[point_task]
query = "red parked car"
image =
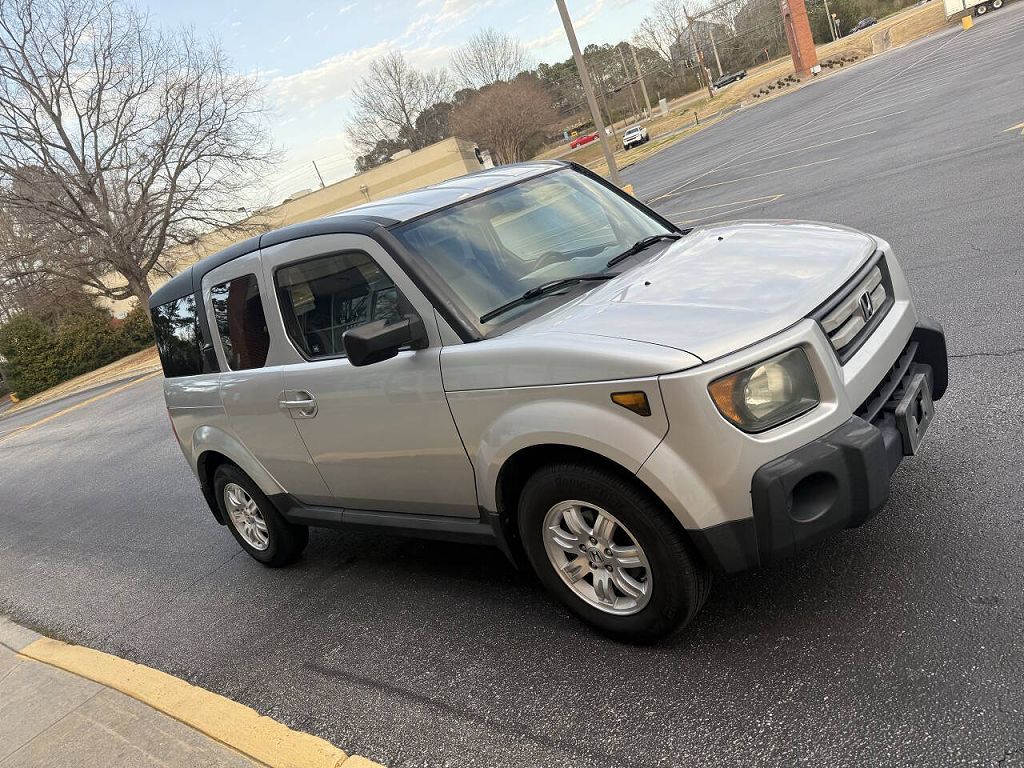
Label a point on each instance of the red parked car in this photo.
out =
(579, 141)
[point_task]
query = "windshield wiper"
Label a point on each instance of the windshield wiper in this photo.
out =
(642, 245)
(543, 290)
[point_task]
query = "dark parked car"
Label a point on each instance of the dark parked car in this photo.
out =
(870, 21)
(724, 80)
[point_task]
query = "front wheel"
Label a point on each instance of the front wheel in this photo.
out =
(610, 552)
(253, 520)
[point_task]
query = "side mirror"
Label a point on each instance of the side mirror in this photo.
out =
(381, 340)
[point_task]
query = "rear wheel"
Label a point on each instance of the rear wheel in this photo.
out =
(253, 520)
(997, 4)
(981, 10)
(610, 552)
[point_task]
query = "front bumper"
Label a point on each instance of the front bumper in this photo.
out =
(838, 481)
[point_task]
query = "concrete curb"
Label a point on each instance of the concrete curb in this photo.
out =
(223, 720)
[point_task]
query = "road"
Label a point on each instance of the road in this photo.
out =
(899, 643)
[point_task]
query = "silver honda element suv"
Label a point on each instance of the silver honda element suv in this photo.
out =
(529, 357)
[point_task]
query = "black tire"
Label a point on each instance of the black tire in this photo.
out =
(287, 540)
(981, 10)
(997, 4)
(680, 581)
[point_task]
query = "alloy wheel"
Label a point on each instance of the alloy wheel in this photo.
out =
(246, 517)
(597, 557)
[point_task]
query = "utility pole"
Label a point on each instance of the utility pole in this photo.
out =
(831, 22)
(718, 61)
(318, 175)
(698, 53)
(608, 113)
(588, 89)
(640, 75)
(632, 90)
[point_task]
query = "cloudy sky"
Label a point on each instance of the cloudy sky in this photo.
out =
(310, 52)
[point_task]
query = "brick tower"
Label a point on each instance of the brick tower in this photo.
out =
(798, 33)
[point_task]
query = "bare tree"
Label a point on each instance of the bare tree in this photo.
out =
(119, 140)
(662, 29)
(489, 57)
(507, 118)
(388, 101)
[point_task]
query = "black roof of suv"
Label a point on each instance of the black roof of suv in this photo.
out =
(363, 219)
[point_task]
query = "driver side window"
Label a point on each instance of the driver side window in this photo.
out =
(323, 297)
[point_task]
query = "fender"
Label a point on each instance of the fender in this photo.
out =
(495, 424)
(207, 438)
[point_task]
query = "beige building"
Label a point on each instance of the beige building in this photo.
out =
(438, 162)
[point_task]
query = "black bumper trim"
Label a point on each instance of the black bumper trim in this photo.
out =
(931, 350)
(838, 481)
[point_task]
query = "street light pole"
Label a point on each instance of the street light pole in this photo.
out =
(588, 90)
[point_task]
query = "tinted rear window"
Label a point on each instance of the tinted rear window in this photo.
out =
(177, 337)
(241, 323)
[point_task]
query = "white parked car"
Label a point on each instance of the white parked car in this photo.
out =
(634, 137)
(531, 358)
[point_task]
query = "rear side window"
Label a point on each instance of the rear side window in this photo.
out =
(326, 296)
(241, 323)
(177, 337)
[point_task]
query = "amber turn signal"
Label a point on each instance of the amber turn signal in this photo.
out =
(634, 401)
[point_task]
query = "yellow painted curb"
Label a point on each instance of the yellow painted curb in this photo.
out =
(232, 724)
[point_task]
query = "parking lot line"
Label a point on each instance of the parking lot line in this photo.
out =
(802, 149)
(753, 176)
(720, 209)
(859, 122)
(45, 420)
(874, 88)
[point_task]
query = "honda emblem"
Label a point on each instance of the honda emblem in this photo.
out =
(867, 307)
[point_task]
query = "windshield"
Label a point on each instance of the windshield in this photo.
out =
(492, 249)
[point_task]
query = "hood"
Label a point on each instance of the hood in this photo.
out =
(718, 289)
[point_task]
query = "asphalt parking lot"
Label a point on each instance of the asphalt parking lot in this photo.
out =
(899, 643)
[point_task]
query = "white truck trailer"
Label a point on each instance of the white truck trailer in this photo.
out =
(956, 9)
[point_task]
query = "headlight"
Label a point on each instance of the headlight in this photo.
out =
(765, 395)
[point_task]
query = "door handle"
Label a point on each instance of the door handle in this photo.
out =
(302, 404)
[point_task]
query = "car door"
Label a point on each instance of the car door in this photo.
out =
(381, 435)
(251, 359)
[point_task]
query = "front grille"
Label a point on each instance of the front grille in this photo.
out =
(851, 315)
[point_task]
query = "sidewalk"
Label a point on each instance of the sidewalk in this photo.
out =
(49, 717)
(53, 717)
